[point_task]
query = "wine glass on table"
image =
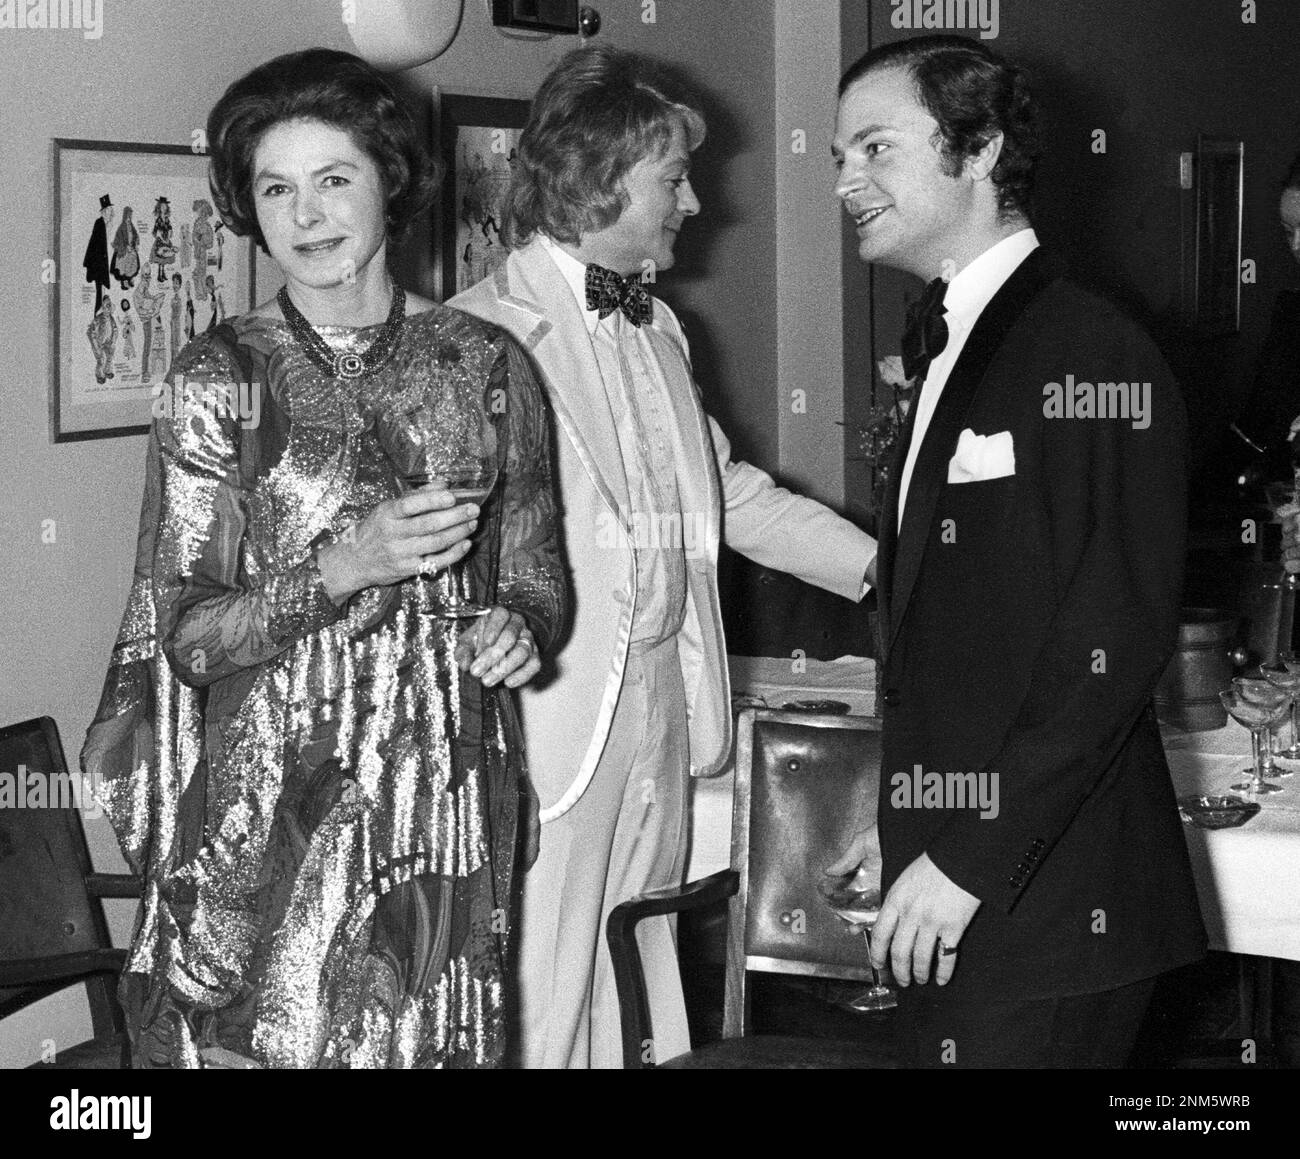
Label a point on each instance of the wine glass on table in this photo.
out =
(855, 899)
(433, 442)
(1258, 689)
(1285, 674)
(1259, 718)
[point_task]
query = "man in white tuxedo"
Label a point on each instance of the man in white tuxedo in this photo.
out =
(648, 486)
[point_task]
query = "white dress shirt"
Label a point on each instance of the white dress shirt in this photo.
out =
(968, 293)
(637, 399)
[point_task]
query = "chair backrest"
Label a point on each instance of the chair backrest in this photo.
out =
(45, 908)
(805, 784)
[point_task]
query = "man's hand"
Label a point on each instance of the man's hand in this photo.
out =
(923, 910)
(499, 647)
(1289, 514)
(863, 853)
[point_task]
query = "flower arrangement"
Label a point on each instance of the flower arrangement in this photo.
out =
(878, 436)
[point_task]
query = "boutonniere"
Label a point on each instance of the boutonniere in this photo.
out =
(879, 433)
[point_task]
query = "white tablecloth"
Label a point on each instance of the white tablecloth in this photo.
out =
(1248, 879)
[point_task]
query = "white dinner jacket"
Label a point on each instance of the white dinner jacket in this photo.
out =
(567, 720)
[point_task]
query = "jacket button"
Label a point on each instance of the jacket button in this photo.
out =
(620, 596)
(893, 698)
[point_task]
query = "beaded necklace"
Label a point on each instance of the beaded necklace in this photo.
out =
(345, 364)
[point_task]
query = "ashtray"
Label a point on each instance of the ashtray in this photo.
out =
(827, 707)
(1216, 812)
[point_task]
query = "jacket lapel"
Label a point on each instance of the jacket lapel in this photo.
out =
(887, 531)
(561, 347)
(930, 473)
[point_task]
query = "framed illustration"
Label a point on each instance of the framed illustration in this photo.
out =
(476, 139)
(144, 263)
(1220, 173)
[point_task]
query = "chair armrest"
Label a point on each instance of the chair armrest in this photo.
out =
(629, 977)
(113, 885)
(60, 967)
(675, 899)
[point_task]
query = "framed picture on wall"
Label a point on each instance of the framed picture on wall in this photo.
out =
(477, 139)
(142, 264)
(1220, 173)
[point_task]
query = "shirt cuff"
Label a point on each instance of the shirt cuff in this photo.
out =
(868, 579)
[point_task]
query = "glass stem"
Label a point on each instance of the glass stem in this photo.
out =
(875, 974)
(1256, 746)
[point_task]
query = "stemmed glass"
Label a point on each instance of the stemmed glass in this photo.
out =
(1258, 689)
(429, 441)
(856, 900)
(1286, 676)
(1259, 718)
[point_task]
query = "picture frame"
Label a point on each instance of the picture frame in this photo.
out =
(1220, 170)
(114, 330)
(474, 137)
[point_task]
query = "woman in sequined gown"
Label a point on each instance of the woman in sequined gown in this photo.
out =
(320, 787)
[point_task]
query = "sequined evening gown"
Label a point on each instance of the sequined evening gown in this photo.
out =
(322, 808)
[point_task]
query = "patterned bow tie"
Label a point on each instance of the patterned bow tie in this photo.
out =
(608, 291)
(926, 333)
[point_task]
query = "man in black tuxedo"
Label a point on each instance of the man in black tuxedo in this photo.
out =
(1030, 574)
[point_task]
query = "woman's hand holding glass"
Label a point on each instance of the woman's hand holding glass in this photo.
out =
(420, 532)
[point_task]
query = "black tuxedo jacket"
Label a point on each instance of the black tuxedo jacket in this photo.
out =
(1026, 620)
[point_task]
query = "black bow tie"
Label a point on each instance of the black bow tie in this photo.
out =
(926, 333)
(608, 291)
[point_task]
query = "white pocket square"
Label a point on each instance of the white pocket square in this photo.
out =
(981, 457)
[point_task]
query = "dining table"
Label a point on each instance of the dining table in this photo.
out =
(1248, 876)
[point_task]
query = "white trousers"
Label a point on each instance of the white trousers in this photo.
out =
(626, 834)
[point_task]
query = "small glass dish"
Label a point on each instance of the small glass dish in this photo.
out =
(1222, 812)
(826, 707)
(743, 700)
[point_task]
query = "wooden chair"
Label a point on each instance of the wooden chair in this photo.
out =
(52, 929)
(804, 784)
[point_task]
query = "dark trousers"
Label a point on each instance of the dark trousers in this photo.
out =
(936, 1029)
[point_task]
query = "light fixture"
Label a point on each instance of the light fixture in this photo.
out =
(398, 34)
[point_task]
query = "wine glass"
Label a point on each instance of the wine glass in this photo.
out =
(1259, 718)
(1286, 676)
(856, 900)
(436, 440)
(1258, 689)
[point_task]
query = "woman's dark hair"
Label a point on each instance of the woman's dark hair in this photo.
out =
(598, 112)
(318, 84)
(972, 93)
(1292, 178)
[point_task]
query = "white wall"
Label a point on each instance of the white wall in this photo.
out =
(810, 364)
